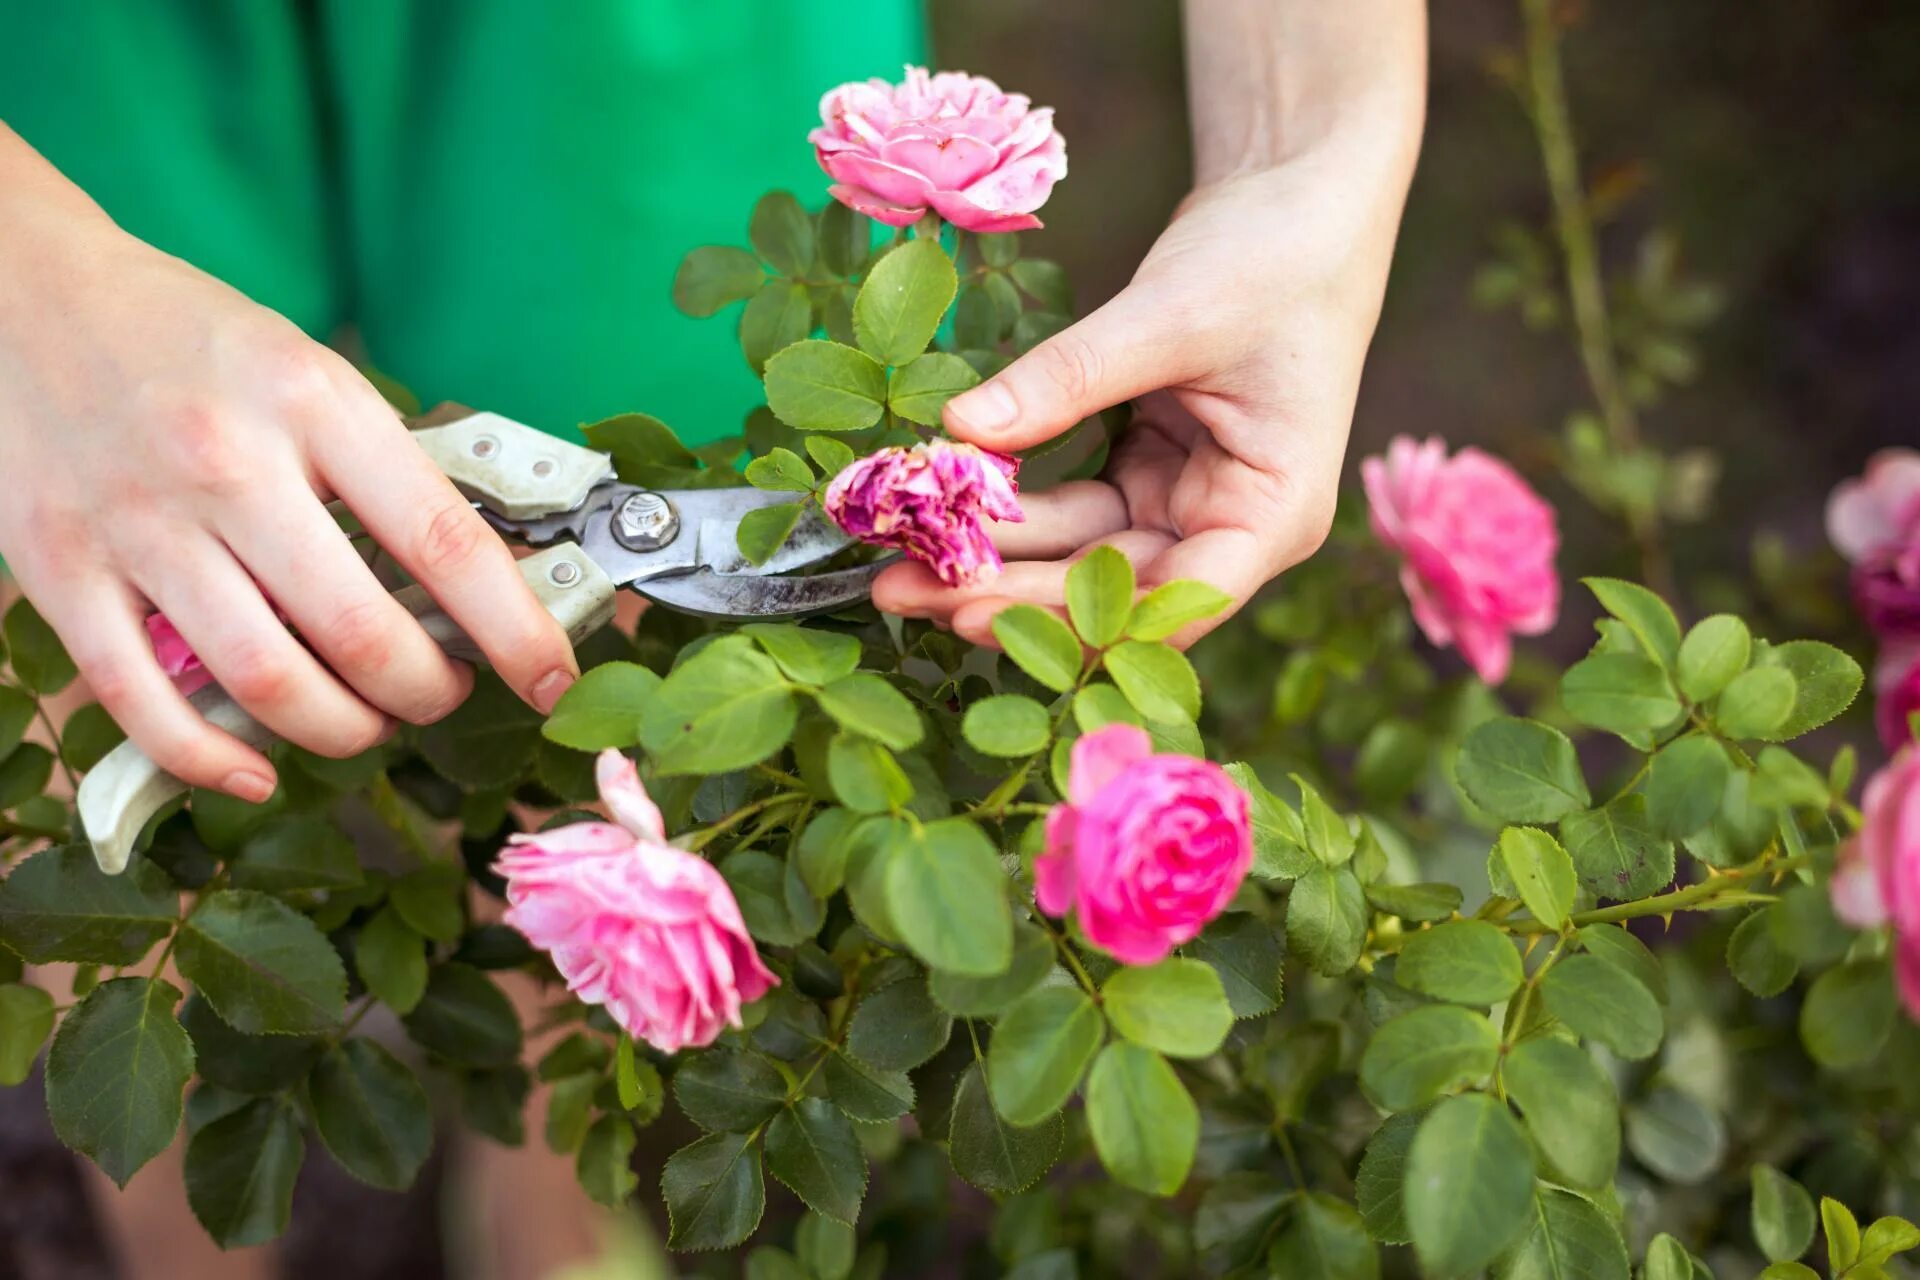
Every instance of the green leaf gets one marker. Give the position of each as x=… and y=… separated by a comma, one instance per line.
x=725, y=708
x=24, y=774
x=811, y=1147
x=806, y=654
x=1886, y=1237
x=1826, y=681
x=263, y=966
x=1245, y=952
x=899, y=1026
x=40, y=661
x=845, y=238
x=984, y=997
x=1040, y=645
x=116, y=1073
x=782, y=233
x=832, y=457
x=1425, y=1052
x=26, y=1020
x=1783, y=1221
x=946, y=894
x=604, y=1162
x=1715, y=651
x=1685, y=787
x=372, y=1114
x=865, y=775
x=465, y=1018
x=727, y=1090
x=781, y=470
x=777, y=316
x=1041, y=1047
x=1324, y=1239
x=1381, y=1179
x=1757, y=703
x=1145, y=1126
x=1675, y=1135
x=1463, y=961
x=712, y=276
x=865, y=1093
x=1618, y=947
x=1668, y=1259
x=239, y=1063
x=902, y=300
x=296, y=852
x=919, y=390
x=764, y=530
x=1415, y=903
x=430, y=899
x=1541, y=871
x=1646, y=615
x=1843, y=1234
x=1328, y=837
x=17, y=709
x=817, y=385
x=391, y=960
x=1046, y=281
x=1168, y=608
x=760, y=886
x=1569, y=1106
x=643, y=447
x=1789, y=1271
x=485, y=744
x=1849, y=1013
x=1156, y=678
x=1567, y=1239
x=86, y=737
x=1616, y=850
x=1279, y=839
x=826, y=1247
x=1008, y=725
x=1623, y=693
x=1100, y=596
x=1177, y=1007
x=59, y=906
x=1756, y=959
x=1603, y=1002
x=240, y=1171
x=1469, y=1184
x=1327, y=919
x=714, y=1192
x=1522, y=771
x=992, y=1154
x=865, y=703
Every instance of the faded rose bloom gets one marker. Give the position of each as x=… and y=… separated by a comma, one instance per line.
x=982, y=159
x=1896, y=691
x=931, y=501
x=1147, y=849
x=648, y=931
x=1886, y=589
x=1879, y=511
x=1476, y=545
x=177, y=658
x=1877, y=880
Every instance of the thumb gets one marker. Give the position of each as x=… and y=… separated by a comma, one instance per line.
x=1124, y=349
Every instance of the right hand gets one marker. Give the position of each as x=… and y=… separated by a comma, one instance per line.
x=168, y=444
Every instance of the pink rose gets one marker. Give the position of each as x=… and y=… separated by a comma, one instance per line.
x=1896, y=691
x=1877, y=880
x=1476, y=545
x=931, y=501
x=1880, y=511
x=649, y=931
x=1886, y=589
x=952, y=142
x=177, y=658
x=1148, y=848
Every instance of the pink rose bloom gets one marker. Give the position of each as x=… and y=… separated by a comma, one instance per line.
x=1476, y=546
x=1886, y=590
x=1880, y=510
x=649, y=931
x=1896, y=691
x=982, y=159
x=176, y=656
x=933, y=502
x=1877, y=880
x=1148, y=848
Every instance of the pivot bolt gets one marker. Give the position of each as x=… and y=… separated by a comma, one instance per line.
x=645, y=522
x=564, y=574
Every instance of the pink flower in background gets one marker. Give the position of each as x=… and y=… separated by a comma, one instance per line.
x=1886, y=590
x=1880, y=511
x=1896, y=690
x=1877, y=880
x=931, y=501
x=1147, y=848
x=1874, y=521
x=1476, y=546
x=649, y=931
x=176, y=656
x=982, y=159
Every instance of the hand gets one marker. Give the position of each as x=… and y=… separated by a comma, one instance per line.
x=170, y=444
x=1243, y=334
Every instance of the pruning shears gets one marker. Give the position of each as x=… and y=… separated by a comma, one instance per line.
x=677, y=547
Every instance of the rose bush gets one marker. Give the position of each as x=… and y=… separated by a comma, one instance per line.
x=1422, y=980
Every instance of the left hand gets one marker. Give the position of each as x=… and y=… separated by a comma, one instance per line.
x=1243, y=333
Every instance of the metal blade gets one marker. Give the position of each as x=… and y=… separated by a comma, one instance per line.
x=711, y=595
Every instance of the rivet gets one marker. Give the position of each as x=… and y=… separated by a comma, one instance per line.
x=564, y=574
x=543, y=468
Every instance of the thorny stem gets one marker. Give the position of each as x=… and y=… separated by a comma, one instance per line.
x=1692, y=897
x=700, y=839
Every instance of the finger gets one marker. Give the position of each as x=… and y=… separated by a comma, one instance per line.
x=221, y=614
x=299, y=555
x=1126, y=348
x=1061, y=520
x=415, y=513
x=104, y=628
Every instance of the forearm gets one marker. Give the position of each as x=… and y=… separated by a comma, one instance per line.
x=38, y=205
x=1270, y=80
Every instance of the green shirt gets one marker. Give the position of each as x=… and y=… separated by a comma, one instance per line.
x=494, y=192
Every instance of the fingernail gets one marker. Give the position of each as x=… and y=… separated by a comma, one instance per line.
x=548, y=688
x=254, y=788
x=989, y=408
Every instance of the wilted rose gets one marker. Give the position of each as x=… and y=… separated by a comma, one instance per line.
x=1147, y=849
x=931, y=501
x=982, y=159
x=648, y=931
x=1476, y=543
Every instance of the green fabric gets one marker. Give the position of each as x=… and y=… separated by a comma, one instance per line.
x=495, y=192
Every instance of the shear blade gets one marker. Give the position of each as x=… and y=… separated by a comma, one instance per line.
x=713, y=595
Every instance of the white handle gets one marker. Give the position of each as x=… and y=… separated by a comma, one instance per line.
x=513, y=470
x=121, y=794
